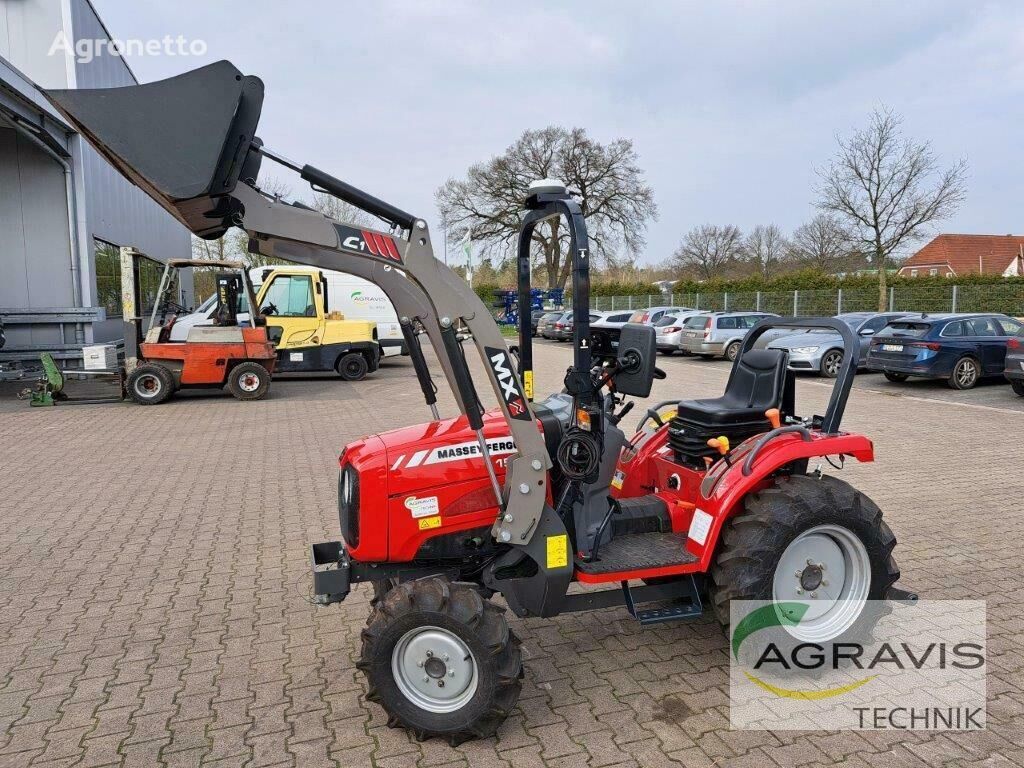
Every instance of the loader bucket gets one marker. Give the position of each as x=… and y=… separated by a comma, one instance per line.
x=183, y=140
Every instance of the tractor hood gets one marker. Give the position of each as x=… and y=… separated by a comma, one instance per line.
x=440, y=453
x=185, y=141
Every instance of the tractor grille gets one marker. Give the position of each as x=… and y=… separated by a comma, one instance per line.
x=348, y=505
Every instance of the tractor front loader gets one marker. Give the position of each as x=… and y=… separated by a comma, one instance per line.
x=708, y=505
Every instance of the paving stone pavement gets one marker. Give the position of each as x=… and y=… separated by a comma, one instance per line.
x=154, y=592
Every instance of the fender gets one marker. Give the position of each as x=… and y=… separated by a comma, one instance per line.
x=725, y=485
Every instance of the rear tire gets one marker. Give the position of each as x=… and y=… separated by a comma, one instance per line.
x=754, y=551
x=1017, y=386
x=352, y=366
x=150, y=384
x=249, y=381
x=831, y=363
x=965, y=373
x=423, y=634
x=896, y=377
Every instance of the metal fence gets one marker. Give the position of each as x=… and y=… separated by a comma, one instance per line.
x=1008, y=299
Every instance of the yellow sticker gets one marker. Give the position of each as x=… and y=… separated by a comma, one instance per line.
x=528, y=384
x=558, y=551
x=618, y=479
x=426, y=523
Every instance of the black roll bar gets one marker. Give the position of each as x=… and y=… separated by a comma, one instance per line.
x=844, y=381
x=543, y=205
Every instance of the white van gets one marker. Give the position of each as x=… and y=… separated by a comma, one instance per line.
x=355, y=298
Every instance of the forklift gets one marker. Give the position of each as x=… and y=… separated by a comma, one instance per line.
x=712, y=506
x=238, y=357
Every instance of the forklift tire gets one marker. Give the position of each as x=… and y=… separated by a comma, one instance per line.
x=352, y=366
x=249, y=381
x=441, y=660
x=800, y=517
x=150, y=384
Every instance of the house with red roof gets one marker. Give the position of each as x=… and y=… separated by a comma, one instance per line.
x=958, y=255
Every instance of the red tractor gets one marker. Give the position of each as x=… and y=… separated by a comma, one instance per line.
x=710, y=504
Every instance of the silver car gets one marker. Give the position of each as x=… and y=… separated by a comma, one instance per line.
x=609, y=318
x=821, y=350
x=669, y=331
x=718, y=334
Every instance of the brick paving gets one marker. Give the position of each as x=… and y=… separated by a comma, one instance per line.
x=154, y=592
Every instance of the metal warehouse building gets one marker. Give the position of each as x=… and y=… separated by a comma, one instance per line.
x=64, y=210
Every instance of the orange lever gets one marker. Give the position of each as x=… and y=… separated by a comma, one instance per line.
x=720, y=444
x=773, y=415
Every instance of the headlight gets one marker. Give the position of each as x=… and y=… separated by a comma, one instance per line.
x=348, y=505
x=805, y=350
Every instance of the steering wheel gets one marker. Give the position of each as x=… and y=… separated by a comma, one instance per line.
x=269, y=308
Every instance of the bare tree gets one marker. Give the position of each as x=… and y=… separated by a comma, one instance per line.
x=709, y=251
x=765, y=249
x=888, y=189
x=823, y=243
x=617, y=203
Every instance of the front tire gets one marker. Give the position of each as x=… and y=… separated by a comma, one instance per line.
x=803, y=518
x=352, y=367
x=150, y=384
x=965, y=373
x=249, y=381
x=1017, y=385
x=831, y=363
x=441, y=660
x=732, y=351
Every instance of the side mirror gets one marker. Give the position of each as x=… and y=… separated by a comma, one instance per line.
x=635, y=359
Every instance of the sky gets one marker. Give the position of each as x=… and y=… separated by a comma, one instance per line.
x=731, y=105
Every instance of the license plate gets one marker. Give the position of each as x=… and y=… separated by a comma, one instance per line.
x=892, y=347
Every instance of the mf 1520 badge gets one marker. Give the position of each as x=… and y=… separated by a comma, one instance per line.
x=508, y=384
x=368, y=241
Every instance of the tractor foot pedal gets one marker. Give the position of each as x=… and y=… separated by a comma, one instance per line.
x=685, y=603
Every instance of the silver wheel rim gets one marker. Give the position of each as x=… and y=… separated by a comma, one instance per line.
x=148, y=385
x=434, y=669
x=249, y=381
x=966, y=373
x=733, y=351
x=833, y=360
x=828, y=569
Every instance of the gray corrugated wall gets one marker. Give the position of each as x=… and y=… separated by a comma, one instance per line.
x=34, y=238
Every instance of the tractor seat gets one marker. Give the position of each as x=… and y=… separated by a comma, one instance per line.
x=756, y=384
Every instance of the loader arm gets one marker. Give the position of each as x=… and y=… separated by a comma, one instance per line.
x=200, y=160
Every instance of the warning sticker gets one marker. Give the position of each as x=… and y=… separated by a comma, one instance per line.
x=425, y=507
x=430, y=522
x=528, y=384
x=618, y=479
x=558, y=551
x=295, y=357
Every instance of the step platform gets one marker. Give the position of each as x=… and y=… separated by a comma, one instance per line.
x=639, y=551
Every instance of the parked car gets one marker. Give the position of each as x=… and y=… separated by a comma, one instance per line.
x=546, y=324
x=718, y=334
x=562, y=329
x=821, y=350
x=669, y=331
x=535, y=317
x=651, y=315
x=609, y=318
x=1014, y=370
x=959, y=348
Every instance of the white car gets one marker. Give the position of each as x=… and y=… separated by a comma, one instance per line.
x=669, y=331
x=609, y=318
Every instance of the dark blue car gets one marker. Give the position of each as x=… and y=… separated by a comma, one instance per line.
x=959, y=348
